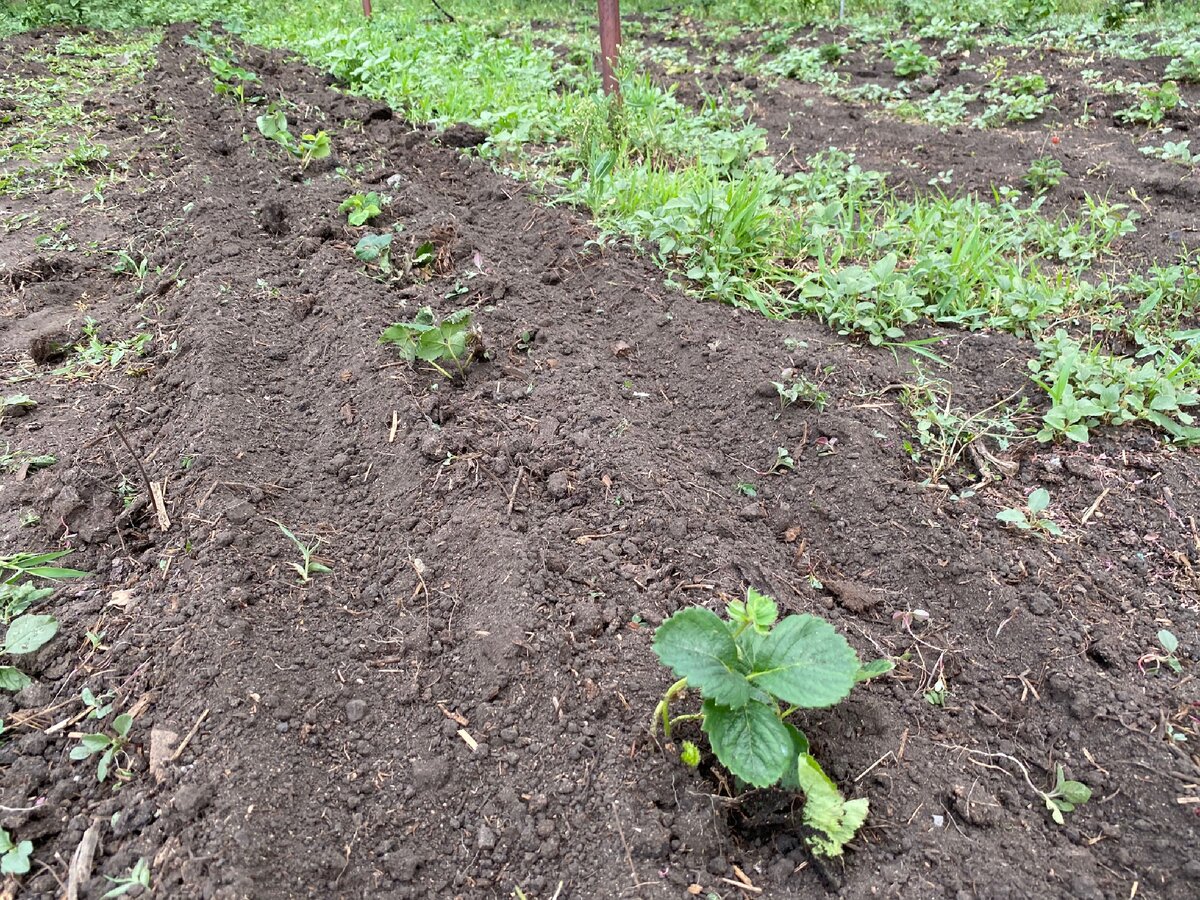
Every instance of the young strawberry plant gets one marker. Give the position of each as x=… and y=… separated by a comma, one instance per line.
x=752, y=674
x=273, y=125
x=361, y=208
x=453, y=340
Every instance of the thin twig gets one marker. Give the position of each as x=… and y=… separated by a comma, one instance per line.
x=137, y=461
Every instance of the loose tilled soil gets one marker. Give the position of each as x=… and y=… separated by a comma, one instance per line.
x=461, y=707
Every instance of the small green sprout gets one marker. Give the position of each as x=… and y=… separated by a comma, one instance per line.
x=111, y=747
x=783, y=461
x=796, y=388
x=745, y=487
x=1065, y=796
x=1030, y=517
x=97, y=707
x=1044, y=174
x=139, y=876
x=14, y=857
x=1168, y=658
x=309, y=565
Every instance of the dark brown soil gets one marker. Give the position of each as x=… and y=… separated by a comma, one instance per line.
x=461, y=707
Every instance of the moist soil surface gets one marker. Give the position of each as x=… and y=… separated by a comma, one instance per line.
x=461, y=706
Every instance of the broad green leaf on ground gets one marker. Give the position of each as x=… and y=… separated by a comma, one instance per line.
x=804, y=661
x=834, y=820
x=28, y=633
x=752, y=742
x=12, y=679
x=695, y=644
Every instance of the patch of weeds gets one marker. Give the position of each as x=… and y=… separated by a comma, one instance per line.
x=1044, y=174
x=95, y=354
x=274, y=126
x=1185, y=67
x=14, y=856
x=1030, y=516
x=1089, y=387
x=361, y=208
x=454, y=341
x=1017, y=98
x=752, y=674
x=945, y=433
x=1173, y=151
x=1164, y=657
x=138, y=877
x=1154, y=102
x=309, y=564
x=20, y=463
x=796, y=387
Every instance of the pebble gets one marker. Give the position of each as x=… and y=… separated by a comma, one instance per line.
x=356, y=710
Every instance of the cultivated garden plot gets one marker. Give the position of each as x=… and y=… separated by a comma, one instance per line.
x=420, y=477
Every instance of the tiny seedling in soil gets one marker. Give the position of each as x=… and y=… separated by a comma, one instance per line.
x=453, y=340
x=25, y=634
x=309, y=565
x=97, y=707
x=752, y=674
x=745, y=487
x=1030, y=518
x=14, y=857
x=361, y=208
x=1167, y=657
x=783, y=461
x=139, y=876
x=109, y=746
x=1065, y=796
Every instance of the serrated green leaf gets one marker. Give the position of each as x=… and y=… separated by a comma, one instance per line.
x=695, y=644
x=759, y=611
x=804, y=662
x=689, y=754
x=13, y=679
x=826, y=811
x=28, y=633
x=750, y=741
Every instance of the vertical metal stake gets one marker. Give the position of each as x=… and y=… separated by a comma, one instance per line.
x=610, y=43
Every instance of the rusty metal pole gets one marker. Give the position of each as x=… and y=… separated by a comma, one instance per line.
x=610, y=43
x=367, y=8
